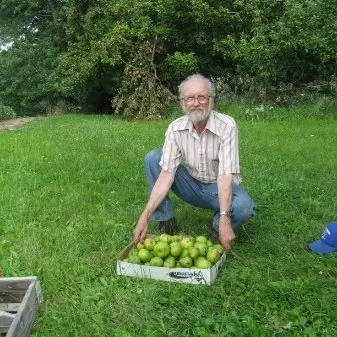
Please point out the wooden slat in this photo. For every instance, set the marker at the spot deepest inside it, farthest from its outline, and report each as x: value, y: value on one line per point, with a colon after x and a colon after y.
x: 14, y: 283
x: 13, y: 289
x: 24, y: 318
x: 9, y: 306
x: 6, y: 320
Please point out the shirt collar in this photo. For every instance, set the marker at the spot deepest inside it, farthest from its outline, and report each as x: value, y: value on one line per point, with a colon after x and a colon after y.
x: 211, y: 125
x: 186, y: 124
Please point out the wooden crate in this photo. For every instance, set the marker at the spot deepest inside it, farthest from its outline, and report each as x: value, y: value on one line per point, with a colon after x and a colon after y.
x: 20, y: 298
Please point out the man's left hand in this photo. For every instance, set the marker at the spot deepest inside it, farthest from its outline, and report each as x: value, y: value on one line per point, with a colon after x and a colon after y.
x: 226, y: 233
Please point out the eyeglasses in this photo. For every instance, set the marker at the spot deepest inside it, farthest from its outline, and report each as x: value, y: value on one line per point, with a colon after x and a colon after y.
x: 202, y: 99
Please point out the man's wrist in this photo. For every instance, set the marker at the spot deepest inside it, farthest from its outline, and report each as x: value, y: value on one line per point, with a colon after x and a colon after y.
x: 227, y: 214
x: 146, y: 215
x: 225, y: 221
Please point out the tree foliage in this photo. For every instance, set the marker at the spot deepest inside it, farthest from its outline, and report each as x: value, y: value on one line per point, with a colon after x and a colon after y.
x: 290, y: 41
x: 92, y: 53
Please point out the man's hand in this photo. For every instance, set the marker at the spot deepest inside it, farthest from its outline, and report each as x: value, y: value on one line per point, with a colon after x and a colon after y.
x: 140, y: 230
x: 226, y: 233
x: 158, y: 194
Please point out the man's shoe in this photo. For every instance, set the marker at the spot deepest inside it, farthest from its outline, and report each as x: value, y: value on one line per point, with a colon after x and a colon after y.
x: 169, y: 226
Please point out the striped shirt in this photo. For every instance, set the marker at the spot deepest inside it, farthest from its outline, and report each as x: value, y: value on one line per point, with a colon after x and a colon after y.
x: 215, y: 152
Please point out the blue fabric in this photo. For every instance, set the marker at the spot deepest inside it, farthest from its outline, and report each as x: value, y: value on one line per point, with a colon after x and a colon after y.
x: 321, y: 248
x: 328, y: 241
x: 197, y: 194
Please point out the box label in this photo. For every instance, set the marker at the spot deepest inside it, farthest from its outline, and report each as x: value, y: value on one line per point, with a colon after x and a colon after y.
x: 182, y: 275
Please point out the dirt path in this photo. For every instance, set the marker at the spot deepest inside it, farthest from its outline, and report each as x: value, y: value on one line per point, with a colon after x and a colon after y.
x: 15, y: 123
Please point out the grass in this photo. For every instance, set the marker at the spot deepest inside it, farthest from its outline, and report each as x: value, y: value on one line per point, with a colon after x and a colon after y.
x: 73, y: 186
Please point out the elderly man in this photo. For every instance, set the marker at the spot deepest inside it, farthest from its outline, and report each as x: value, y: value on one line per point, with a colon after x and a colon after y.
x: 200, y: 164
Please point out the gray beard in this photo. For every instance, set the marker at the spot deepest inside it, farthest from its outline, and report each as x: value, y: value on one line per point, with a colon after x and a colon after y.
x: 196, y: 117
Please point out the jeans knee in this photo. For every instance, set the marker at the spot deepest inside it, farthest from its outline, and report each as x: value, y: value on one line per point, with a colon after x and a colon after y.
x: 153, y: 156
x: 244, y: 209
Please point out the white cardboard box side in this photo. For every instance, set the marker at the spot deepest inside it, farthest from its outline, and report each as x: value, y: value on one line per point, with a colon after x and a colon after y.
x: 182, y: 275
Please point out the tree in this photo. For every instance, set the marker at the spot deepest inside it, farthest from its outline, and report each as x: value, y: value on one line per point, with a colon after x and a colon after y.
x: 26, y: 67
x: 88, y: 53
x: 289, y: 41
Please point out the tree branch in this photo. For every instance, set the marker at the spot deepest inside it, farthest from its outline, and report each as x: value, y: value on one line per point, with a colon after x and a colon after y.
x: 152, y: 58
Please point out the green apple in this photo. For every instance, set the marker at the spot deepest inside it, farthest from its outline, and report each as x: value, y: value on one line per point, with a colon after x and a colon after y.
x: 178, y: 265
x: 185, y: 253
x: 202, y: 263
x: 201, y: 239
x: 186, y: 242
x: 149, y: 243
x: 202, y: 247
x: 156, y: 261
x: 147, y: 264
x: 175, y: 238
x: 126, y: 259
x: 194, y: 252
x: 165, y: 237
x: 133, y: 251
x: 134, y: 259
x: 170, y: 262
x: 186, y: 262
x: 219, y: 248
x: 161, y: 249
x: 176, y: 249
x: 140, y: 246
x: 213, y: 256
x: 209, y: 243
x: 144, y: 255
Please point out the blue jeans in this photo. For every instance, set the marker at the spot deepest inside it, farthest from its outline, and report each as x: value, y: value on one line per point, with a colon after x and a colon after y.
x: 197, y: 193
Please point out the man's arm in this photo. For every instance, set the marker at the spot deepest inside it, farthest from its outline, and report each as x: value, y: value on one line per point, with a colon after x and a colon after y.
x: 158, y: 194
x: 226, y: 233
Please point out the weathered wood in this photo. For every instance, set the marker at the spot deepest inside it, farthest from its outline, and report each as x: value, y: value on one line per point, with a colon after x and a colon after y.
x: 13, y: 284
x: 9, y: 306
x: 6, y: 320
x: 24, y: 318
x: 13, y: 289
x: 22, y: 321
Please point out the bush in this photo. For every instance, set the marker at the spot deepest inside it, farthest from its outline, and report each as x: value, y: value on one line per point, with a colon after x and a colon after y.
x: 239, y: 87
x: 326, y: 106
x: 6, y: 112
x: 141, y: 94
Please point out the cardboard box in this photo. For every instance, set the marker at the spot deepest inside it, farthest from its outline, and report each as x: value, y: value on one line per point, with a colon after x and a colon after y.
x: 181, y: 275
x: 20, y: 298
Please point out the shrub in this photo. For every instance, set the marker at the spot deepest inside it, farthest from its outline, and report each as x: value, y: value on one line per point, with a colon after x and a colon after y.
x: 6, y: 112
x: 326, y: 106
x: 141, y: 95
x: 239, y: 87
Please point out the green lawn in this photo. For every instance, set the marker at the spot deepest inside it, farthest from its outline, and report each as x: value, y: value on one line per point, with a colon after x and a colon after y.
x: 73, y: 186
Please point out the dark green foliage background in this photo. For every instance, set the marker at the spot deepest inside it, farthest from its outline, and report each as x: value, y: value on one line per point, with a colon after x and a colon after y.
x: 72, y: 54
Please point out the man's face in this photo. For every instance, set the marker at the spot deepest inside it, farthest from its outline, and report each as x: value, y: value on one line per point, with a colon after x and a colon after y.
x: 196, y: 101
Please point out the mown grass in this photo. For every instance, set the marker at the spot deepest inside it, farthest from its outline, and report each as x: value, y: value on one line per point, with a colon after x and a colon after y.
x: 73, y: 186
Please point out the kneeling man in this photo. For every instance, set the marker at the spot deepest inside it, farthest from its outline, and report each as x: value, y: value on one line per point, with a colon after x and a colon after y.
x: 199, y: 163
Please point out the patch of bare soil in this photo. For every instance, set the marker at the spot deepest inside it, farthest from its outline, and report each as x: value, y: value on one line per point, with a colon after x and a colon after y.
x: 15, y: 123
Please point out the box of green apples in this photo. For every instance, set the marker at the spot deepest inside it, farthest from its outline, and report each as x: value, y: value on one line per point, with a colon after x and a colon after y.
x: 175, y: 258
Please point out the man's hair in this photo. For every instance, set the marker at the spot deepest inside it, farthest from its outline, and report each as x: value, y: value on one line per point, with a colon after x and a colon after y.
x: 210, y: 85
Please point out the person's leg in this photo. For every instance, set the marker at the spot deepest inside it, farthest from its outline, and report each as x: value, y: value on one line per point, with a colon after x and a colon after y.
x: 165, y: 210
x: 243, y: 208
x: 184, y: 186
x: 197, y: 194
x: 189, y: 189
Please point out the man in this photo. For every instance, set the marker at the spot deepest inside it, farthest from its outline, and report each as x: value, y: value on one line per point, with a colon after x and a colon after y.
x: 199, y: 163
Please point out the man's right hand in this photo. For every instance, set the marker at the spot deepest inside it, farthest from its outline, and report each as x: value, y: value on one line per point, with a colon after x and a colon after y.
x: 226, y: 233
x: 140, y: 230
